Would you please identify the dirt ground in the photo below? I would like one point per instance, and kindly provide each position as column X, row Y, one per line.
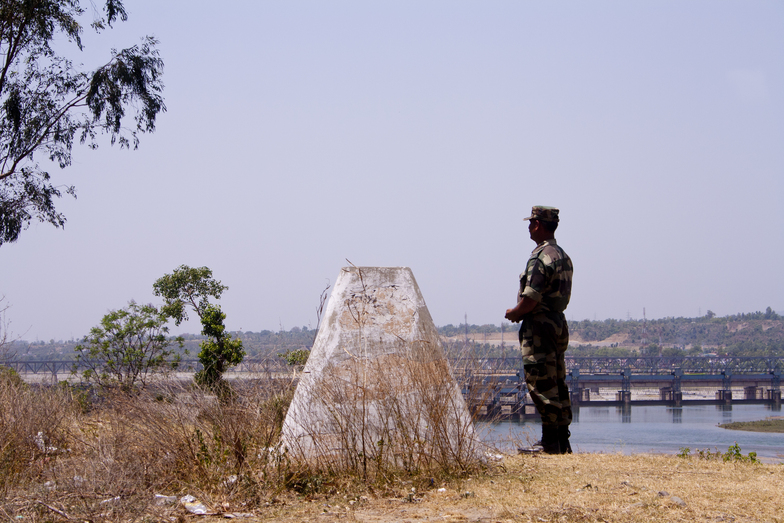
column 581, row 487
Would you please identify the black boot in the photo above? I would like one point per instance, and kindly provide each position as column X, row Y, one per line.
column 550, row 439
column 563, row 439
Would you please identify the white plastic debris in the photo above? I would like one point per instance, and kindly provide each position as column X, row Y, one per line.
column 162, row 499
column 40, row 442
column 494, row 457
column 193, row 505
column 231, row 480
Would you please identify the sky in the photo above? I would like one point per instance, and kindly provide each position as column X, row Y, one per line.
column 302, row 134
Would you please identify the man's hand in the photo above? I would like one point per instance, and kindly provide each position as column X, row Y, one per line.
column 522, row 308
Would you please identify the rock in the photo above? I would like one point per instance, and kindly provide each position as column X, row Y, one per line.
column 678, row 501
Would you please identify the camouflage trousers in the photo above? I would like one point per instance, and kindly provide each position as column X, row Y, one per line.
column 544, row 338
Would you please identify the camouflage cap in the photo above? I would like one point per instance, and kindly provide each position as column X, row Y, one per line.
column 544, row 214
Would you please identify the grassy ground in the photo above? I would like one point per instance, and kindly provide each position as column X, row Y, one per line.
column 581, row 487
column 574, row 488
column 774, row 424
column 68, row 454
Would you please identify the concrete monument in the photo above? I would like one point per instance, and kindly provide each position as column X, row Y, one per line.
column 377, row 385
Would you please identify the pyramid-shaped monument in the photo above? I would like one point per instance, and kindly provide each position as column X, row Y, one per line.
column 377, row 383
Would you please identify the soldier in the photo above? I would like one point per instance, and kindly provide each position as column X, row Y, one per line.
column 545, row 288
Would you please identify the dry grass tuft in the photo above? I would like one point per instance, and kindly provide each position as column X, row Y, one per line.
column 382, row 418
column 33, row 428
column 109, row 461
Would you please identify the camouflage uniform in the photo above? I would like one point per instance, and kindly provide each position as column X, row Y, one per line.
column 544, row 334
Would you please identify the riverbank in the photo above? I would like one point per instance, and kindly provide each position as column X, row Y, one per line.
column 772, row 424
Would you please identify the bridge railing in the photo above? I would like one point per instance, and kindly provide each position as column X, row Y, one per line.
column 251, row 365
column 642, row 365
column 586, row 365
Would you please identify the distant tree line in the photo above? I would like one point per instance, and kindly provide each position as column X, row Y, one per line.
column 749, row 334
column 488, row 328
column 746, row 334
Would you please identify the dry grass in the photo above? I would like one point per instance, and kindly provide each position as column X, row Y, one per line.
column 377, row 419
column 569, row 488
column 596, row 487
column 33, row 425
column 110, row 462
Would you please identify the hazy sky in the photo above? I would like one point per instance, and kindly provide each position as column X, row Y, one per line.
column 302, row 134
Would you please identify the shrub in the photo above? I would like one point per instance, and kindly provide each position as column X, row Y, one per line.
column 128, row 346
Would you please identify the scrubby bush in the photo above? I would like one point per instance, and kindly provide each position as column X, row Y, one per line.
column 34, row 426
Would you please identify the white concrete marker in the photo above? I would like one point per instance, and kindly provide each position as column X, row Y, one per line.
column 377, row 382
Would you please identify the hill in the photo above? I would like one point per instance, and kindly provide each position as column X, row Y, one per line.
column 752, row 334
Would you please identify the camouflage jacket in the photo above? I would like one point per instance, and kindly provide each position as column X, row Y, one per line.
column 547, row 278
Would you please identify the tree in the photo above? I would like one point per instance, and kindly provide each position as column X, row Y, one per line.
column 673, row 352
column 128, row 346
column 46, row 102
column 187, row 286
column 650, row 350
column 194, row 287
column 218, row 353
column 295, row 358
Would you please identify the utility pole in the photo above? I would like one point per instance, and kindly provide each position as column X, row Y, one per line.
column 466, row 330
column 644, row 339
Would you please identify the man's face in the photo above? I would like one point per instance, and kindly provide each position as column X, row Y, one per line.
column 532, row 227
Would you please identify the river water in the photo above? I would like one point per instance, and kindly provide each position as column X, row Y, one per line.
column 652, row 429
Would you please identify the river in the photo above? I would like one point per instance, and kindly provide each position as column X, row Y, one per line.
column 656, row 429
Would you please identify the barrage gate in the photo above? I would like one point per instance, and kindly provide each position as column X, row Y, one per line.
column 494, row 387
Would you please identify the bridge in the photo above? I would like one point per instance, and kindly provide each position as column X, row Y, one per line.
column 64, row 368
column 494, row 385
column 588, row 365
